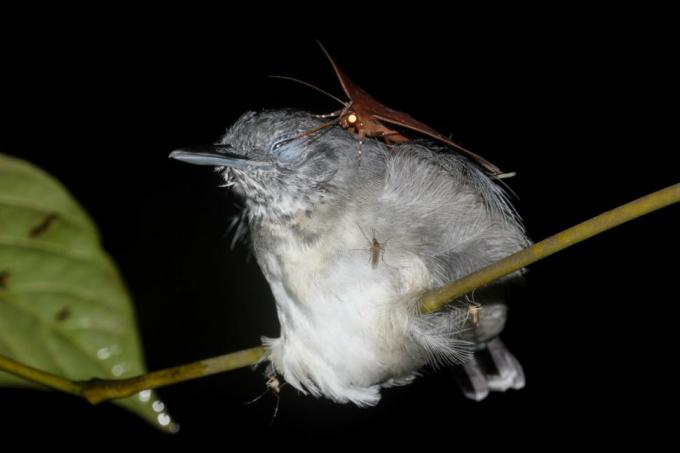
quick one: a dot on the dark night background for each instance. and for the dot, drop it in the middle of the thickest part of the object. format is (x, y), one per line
(586, 116)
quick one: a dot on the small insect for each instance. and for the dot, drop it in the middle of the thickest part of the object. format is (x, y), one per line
(42, 227)
(376, 249)
(4, 279)
(474, 312)
(366, 117)
(63, 314)
(273, 385)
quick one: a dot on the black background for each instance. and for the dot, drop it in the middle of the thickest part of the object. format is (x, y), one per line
(585, 113)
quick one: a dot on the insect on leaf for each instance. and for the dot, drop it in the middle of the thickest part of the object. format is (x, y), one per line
(63, 305)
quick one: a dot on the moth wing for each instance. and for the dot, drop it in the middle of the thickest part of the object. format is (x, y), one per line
(407, 121)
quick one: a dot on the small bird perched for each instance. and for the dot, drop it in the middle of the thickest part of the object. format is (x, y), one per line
(349, 315)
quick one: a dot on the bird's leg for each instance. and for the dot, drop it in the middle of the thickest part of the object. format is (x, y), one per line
(510, 373)
(472, 380)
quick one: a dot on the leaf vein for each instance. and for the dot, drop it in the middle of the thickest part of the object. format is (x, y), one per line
(32, 244)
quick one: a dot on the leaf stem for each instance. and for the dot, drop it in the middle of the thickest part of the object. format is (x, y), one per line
(98, 390)
(39, 377)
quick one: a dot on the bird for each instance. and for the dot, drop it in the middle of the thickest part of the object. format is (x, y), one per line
(349, 241)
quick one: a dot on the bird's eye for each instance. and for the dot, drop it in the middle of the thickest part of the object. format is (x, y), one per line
(282, 151)
(283, 141)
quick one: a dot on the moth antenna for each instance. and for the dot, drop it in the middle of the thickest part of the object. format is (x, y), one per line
(338, 73)
(309, 85)
(317, 129)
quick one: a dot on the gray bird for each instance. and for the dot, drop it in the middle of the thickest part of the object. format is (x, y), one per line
(348, 241)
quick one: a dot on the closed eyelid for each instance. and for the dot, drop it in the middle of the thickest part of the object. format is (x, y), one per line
(284, 140)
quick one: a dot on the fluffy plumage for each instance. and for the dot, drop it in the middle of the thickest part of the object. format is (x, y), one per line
(348, 328)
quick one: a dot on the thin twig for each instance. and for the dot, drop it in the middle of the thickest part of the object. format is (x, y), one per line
(39, 377)
(436, 299)
(98, 390)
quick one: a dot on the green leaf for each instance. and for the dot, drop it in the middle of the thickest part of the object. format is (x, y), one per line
(63, 306)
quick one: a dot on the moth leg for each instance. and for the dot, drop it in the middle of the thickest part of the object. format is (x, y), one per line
(362, 137)
(510, 174)
(331, 115)
(393, 137)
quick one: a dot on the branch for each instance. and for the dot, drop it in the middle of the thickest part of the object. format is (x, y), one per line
(436, 299)
(98, 390)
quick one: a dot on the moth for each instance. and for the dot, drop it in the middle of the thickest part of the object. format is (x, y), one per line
(364, 116)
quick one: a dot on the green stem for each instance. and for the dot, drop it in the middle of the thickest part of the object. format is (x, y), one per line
(39, 377)
(436, 299)
(98, 390)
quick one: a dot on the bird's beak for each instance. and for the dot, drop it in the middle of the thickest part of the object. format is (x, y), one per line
(216, 156)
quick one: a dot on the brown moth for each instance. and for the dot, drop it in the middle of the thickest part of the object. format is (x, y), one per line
(367, 117)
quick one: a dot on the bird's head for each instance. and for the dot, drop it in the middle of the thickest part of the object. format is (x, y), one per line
(279, 168)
